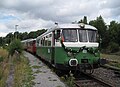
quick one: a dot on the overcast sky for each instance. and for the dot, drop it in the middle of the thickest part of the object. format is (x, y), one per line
(31, 15)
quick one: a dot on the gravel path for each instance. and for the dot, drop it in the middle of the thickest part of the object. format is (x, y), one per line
(10, 78)
(108, 76)
(44, 77)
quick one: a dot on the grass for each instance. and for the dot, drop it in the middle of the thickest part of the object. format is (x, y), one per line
(4, 67)
(111, 57)
(36, 67)
(38, 71)
(114, 60)
(58, 86)
(69, 80)
(114, 64)
(23, 74)
(3, 53)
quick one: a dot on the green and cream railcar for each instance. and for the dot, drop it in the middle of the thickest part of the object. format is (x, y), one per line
(69, 46)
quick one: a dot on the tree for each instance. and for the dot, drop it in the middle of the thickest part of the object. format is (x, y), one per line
(102, 30)
(16, 34)
(1, 41)
(114, 29)
(84, 20)
(15, 45)
(9, 38)
(35, 34)
(39, 32)
(119, 34)
(24, 36)
(32, 34)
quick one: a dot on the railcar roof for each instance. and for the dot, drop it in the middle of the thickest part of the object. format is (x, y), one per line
(24, 41)
(74, 26)
(28, 40)
(67, 26)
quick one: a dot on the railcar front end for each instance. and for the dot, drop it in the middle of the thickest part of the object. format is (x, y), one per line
(70, 47)
(77, 50)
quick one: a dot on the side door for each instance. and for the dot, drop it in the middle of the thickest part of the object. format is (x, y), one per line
(55, 39)
(53, 48)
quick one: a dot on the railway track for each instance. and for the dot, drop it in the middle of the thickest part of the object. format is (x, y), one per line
(91, 81)
(106, 76)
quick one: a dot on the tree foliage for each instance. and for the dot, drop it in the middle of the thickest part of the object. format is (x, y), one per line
(22, 36)
(15, 45)
(102, 30)
(108, 34)
(113, 47)
(114, 29)
(84, 20)
(1, 41)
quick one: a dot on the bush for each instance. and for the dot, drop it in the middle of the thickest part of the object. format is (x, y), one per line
(113, 47)
(15, 45)
(1, 59)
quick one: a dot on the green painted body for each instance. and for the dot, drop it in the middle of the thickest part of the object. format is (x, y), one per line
(45, 53)
(60, 56)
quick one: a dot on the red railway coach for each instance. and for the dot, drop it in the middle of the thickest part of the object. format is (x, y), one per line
(24, 44)
(29, 45)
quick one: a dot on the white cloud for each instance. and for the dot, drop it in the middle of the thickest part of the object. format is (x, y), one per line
(3, 30)
(35, 14)
(33, 25)
(3, 34)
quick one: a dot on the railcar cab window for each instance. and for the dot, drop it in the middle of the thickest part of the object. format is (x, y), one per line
(83, 35)
(70, 35)
(92, 34)
(87, 35)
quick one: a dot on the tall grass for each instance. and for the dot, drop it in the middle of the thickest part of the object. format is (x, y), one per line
(23, 73)
(111, 57)
(3, 53)
(4, 67)
(114, 60)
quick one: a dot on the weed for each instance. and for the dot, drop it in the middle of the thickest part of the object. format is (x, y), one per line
(59, 86)
(23, 74)
(1, 59)
(36, 67)
(4, 67)
(114, 60)
(69, 80)
(38, 71)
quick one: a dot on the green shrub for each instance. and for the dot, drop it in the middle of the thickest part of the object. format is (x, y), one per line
(69, 80)
(113, 47)
(15, 45)
(1, 59)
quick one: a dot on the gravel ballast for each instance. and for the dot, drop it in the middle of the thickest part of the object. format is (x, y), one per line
(108, 76)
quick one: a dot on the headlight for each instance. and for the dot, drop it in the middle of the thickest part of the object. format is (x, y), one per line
(69, 53)
(73, 62)
(84, 51)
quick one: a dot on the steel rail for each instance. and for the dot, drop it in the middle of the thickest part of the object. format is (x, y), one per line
(93, 79)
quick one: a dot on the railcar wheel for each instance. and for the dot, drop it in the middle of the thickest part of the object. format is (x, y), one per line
(76, 73)
(62, 72)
